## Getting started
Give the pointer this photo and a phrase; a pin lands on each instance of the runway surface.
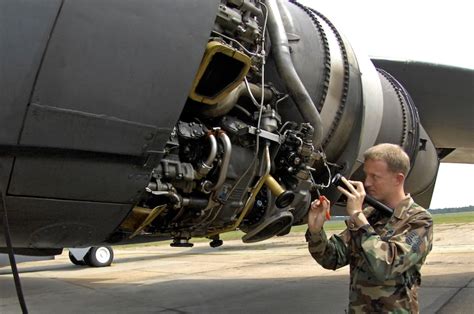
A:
(275, 276)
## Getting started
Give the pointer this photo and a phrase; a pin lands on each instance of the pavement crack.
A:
(72, 283)
(453, 296)
(173, 310)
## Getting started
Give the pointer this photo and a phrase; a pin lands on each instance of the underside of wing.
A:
(444, 96)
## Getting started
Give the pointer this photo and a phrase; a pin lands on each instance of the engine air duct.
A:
(221, 70)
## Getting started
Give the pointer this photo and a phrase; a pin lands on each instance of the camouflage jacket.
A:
(385, 258)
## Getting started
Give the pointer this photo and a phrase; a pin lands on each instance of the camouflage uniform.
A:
(385, 257)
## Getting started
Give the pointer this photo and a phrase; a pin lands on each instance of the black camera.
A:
(337, 181)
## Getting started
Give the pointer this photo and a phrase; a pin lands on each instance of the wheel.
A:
(75, 261)
(99, 256)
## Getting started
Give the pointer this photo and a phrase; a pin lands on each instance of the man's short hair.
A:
(395, 157)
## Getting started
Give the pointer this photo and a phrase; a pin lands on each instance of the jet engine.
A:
(141, 121)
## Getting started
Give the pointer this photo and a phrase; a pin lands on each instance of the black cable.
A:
(11, 255)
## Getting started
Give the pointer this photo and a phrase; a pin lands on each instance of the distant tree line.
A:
(433, 211)
(452, 210)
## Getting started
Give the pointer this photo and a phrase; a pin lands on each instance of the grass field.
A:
(464, 217)
(450, 218)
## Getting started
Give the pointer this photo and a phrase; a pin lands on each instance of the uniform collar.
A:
(403, 206)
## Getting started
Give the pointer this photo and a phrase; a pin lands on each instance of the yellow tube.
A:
(148, 220)
(273, 185)
(135, 218)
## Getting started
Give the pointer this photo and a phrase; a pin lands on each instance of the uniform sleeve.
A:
(389, 258)
(332, 253)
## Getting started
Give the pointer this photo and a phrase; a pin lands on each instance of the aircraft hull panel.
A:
(61, 223)
(24, 30)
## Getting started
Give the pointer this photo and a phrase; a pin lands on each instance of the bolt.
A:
(149, 136)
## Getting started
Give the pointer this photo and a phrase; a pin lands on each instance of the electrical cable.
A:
(235, 41)
(252, 97)
(11, 255)
(261, 54)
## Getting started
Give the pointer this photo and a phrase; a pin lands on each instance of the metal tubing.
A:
(225, 160)
(286, 69)
(274, 186)
(248, 6)
(207, 164)
(287, 19)
(226, 105)
(213, 152)
(253, 195)
(257, 92)
(178, 200)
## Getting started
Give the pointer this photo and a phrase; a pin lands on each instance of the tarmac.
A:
(274, 276)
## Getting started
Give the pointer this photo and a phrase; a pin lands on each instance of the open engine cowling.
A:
(138, 121)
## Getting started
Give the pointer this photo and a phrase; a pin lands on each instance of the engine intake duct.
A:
(221, 70)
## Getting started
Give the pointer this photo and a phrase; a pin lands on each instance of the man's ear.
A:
(400, 178)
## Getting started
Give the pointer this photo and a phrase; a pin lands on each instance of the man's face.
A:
(380, 182)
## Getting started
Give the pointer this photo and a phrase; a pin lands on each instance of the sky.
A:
(431, 31)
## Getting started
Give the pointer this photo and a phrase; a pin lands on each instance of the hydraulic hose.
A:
(286, 69)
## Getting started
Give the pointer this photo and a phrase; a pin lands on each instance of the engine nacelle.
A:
(137, 121)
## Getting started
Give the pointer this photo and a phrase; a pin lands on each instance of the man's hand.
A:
(317, 214)
(355, 193)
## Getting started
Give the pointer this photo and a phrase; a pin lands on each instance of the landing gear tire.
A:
(75, 261)
(99, 256)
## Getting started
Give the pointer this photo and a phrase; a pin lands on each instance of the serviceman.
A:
(385, 254)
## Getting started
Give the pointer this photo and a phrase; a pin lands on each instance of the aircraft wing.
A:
(444, 96)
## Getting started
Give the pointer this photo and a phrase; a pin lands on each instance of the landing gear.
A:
(96, 256)
(181, 242)
(75, 261)
(215, 241)
(99, 256)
